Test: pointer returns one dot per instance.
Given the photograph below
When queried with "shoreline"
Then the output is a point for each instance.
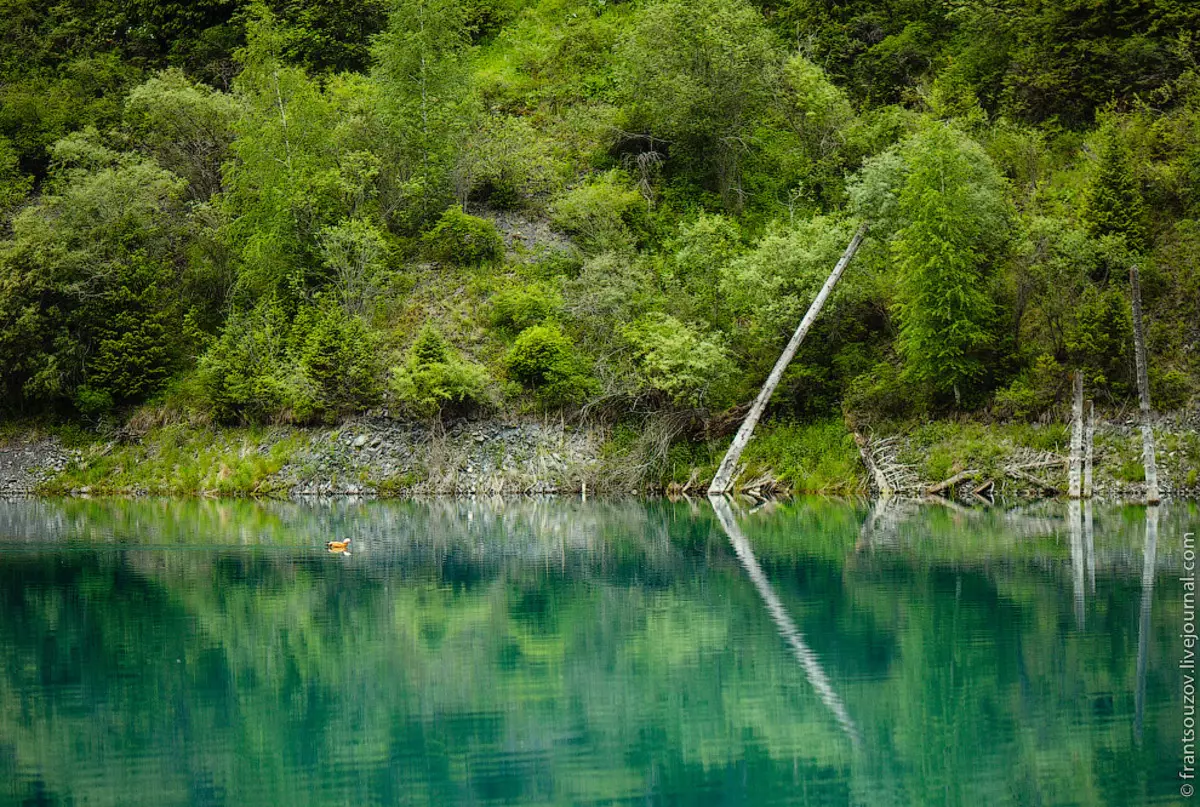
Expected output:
(379, 458)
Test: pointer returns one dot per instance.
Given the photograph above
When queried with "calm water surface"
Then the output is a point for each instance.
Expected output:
(555, 652)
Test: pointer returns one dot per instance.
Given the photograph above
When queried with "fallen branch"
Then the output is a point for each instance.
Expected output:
(881, 481)
(1017, 473)
(1044, 463)
(961, 476)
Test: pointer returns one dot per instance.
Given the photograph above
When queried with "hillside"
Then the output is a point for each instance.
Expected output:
(608, 214)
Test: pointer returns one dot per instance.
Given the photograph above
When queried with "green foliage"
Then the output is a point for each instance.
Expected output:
(701, 74)
(604, 214)
(460, 239)
(1033, 391)
(543, 359)
(421, 70)
(686, 366)
(819, 457)
(1114, 203)
(506, 165)
(13, 184)
(883, 391)
(87, 281)
(243, 374)
(702, 249)
(952, 218)
(1169, 389)
(520, 307)
(321, 364)
(1099, 339)
(435, 381)
(292, 174)
(338, 357)
(255, 185)
(772, 286)
(186, 126)
(356, 254)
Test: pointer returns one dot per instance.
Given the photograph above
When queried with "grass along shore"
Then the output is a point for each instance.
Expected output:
(380, 457)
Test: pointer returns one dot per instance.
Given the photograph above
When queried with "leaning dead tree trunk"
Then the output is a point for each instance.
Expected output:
(1089, 438)
(1073, 486)
(723, 481)
(1143, 379)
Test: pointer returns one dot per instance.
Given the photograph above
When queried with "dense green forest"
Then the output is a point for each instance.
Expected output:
(295, 210)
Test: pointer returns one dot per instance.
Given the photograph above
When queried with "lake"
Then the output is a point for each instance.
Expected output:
(526, 652)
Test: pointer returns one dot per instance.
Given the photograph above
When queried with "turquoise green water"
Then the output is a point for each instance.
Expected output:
(556, 652)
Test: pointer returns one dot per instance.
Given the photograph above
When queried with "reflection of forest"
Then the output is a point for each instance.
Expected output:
(554, 652)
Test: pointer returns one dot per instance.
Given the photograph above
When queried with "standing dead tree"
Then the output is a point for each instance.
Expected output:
(1089, 438)
(1143, 380)
(723, 481)
(1076, 473)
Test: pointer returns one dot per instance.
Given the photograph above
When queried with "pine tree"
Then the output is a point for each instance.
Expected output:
(952, 203)
(1114, 205)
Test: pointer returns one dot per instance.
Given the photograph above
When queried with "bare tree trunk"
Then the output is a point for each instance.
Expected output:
(723, 481)
(1076, 438)
(1089, 437)
(1143, 379)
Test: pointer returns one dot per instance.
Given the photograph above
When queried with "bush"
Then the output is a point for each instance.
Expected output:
(434, 380)
(1033, 391)
(543, 359)
(678, 361)
(603, 214)
(338, 354)
(518, 308)
(460, 239)
(1169, 390)
(884, 392)
(1099, 339)
(322, 365)
(241, 374)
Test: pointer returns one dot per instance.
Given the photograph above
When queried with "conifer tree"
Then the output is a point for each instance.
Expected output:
(952, 204)
(1114, 205)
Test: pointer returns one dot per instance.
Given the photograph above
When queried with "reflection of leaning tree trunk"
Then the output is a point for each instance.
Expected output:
(1078, 561)
(1143, 380)
(787, 628)
(723, 481)
(1144, 626)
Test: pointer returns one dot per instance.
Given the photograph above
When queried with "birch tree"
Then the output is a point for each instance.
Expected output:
(421, 69)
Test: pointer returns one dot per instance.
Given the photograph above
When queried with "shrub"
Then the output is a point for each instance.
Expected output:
(884, 392)
(1033, 391)
(518, 308)
(603, 214)
(676, 360)
(322, 365)
(461, 239)
(543, 359)
(241, 374)
(1169, 390)
(1099, 339)
(339, 355)
(434, 380)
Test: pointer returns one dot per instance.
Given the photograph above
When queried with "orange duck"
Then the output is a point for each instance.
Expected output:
(338, 547)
